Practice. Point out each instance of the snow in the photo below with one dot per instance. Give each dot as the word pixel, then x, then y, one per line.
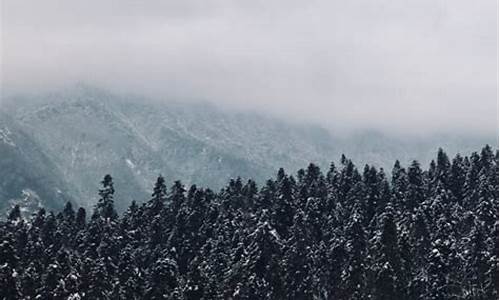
pixel 74 296
pixel 274 233
pixel 130 164
pixel 5 137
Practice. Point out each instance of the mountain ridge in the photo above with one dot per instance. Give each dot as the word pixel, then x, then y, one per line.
pixel 87 133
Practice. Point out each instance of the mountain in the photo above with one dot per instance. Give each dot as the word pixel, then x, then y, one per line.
pixel 27 176
pixel 67 141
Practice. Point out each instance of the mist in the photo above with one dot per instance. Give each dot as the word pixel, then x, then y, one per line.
pixel 420 66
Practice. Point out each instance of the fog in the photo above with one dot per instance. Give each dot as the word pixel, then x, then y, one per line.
pixel 406 66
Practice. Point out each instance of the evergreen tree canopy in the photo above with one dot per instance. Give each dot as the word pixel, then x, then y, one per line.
pixel 412 234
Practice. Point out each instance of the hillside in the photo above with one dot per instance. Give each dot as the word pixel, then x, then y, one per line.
pixel 85 133
pixel 27 174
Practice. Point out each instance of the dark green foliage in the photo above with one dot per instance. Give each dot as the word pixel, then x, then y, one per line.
pixel 15 214
pixel 105 207
pixel 421 234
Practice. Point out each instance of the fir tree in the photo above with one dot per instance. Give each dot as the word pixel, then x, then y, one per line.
pixel 426 234
pixel 105 206
pixel 298 262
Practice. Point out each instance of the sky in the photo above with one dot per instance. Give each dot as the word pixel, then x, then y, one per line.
pixel 393 65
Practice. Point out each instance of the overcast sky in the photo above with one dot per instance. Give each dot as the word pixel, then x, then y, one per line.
pixel 427 65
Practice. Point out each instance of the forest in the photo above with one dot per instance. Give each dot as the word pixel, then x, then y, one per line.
pixel 344 233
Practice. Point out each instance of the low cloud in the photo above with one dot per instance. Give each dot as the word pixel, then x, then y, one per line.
pixel 413 65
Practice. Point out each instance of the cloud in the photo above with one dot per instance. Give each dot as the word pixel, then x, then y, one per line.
pixel 419 65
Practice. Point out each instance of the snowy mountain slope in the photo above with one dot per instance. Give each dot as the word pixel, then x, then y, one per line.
pixel 265 143
pixel 86 133
pixel 27 175
pixel 85 141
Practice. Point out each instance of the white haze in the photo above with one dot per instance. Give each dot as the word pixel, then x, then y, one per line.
pixel 400 66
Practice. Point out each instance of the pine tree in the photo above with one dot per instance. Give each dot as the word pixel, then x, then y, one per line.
pixel 105 206
pixel 429 234
pixel 471 188
pixel 442 260
pixel 261 263
pixel 100 284
pixel 159 196
pixel 30 281
pixel 354 276
pixel 441 172
pixel 298 262
pixel 387 283
pixel 68 213
pixel 129 275
pixel 283 206
pixel 492 279
pixel 415 193
pixel 373 194
pixel 8 282
pixel 477 265
pixel 80 220
pixel 399 184
pixel 50 280
pixel 15 214
pixel 457 178
pixel 164 279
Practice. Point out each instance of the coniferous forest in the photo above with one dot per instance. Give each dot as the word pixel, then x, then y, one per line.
pixel 344 233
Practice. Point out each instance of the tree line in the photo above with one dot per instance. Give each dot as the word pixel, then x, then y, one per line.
pixel 344 234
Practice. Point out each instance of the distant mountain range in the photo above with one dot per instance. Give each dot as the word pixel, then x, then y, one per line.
pixel 57 147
